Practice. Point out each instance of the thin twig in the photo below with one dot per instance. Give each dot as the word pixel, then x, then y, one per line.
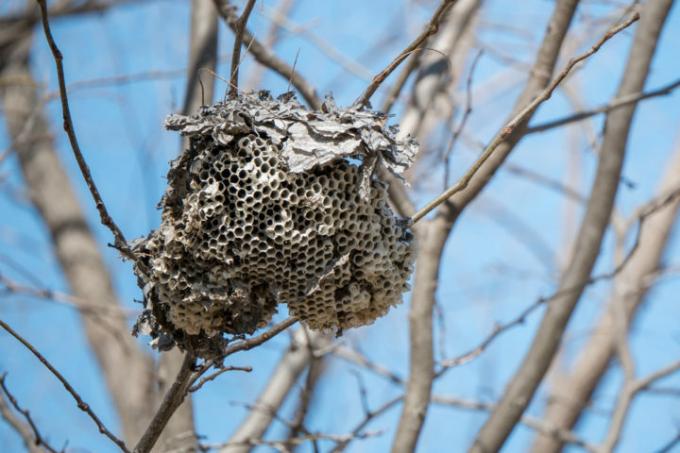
pixel 431 28
pixel 244 345
pixel 605 108
pixel 82 405
pixel 521 318
pixel 463 121
pixel 36 438
pixel 397 87
pixel 171 401
pixel 368 417
pixel 250 343
pixel 268 59
pixel 518 119
pixel 238 42
pixel 120 242
pixel 221 370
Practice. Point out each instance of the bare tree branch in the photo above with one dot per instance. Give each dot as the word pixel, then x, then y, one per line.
pixel 432 238
pixel 537 425
pixel 268 59
pixel 107 221
pixel 271 39
pixel 283 378
pixel 630 289
pixel 240 28
pixel 430 29
pixel 625 400
pixel 202 55
pixel 76 249
pixel 180 431
pixel 531 371
pixel 82 405
pixel 606 108
pixel 519 121
pixel 28 431
pixel 172 400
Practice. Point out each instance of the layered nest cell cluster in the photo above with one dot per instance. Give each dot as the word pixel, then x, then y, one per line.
pixel 272 203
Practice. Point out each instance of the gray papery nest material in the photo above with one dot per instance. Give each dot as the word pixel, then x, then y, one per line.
pixel 273 203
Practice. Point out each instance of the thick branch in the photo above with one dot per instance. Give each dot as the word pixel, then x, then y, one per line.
pixel 172 400
pixel 526 380
pixel 75 248
pixel 285 375
pixel 471 183
pixel 572 392
pixel 432 239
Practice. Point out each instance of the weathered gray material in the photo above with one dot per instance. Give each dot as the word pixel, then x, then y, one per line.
pixel 273 203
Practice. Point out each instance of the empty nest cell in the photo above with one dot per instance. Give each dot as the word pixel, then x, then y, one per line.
pixel 272 203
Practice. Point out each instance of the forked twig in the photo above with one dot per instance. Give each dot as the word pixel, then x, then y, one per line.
pixel 119 239
pixel 519 119
pixel 34 438
pixel 82 405
pixel 430 29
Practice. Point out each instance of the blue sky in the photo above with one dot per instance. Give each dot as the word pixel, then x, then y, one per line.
pixel 488 274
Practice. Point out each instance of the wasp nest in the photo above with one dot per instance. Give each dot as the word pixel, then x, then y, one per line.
pixel 273 203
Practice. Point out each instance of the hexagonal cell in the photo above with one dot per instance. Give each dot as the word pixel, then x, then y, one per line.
pixel 267 213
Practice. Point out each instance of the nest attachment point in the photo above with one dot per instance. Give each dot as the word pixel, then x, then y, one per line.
pixel 272 203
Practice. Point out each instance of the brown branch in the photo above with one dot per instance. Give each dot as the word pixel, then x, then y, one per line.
pixel 75 247
pixel 202 55
pixel 268 59
pixel 315 372
pixel 631 389
pixel 605 108
pixel 399 84
pixel 180 431
pixel 433 235
pixel 530 422
pixel 106 220
pixel 250 343
pixel 172 400
pixel 573 390
pixel 430 29
pixel 518 120
pixel 270 41
pixel 214 375
pixel 461 125
pixel 368 417
pixel 287 372
pixel 238 42
pixel 82 405
pixel 523 385
pixel 28 431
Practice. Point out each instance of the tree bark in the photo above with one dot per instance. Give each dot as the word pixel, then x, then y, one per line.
pixel 572 391
pixel 180 432
pixel 524 383
pixel 282 380
pixel 128 372
pixel 435 233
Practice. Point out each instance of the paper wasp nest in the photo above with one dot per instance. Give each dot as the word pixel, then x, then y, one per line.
pixel 273 203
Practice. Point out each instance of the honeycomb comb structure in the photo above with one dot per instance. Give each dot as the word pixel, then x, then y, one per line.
pixel 273 203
